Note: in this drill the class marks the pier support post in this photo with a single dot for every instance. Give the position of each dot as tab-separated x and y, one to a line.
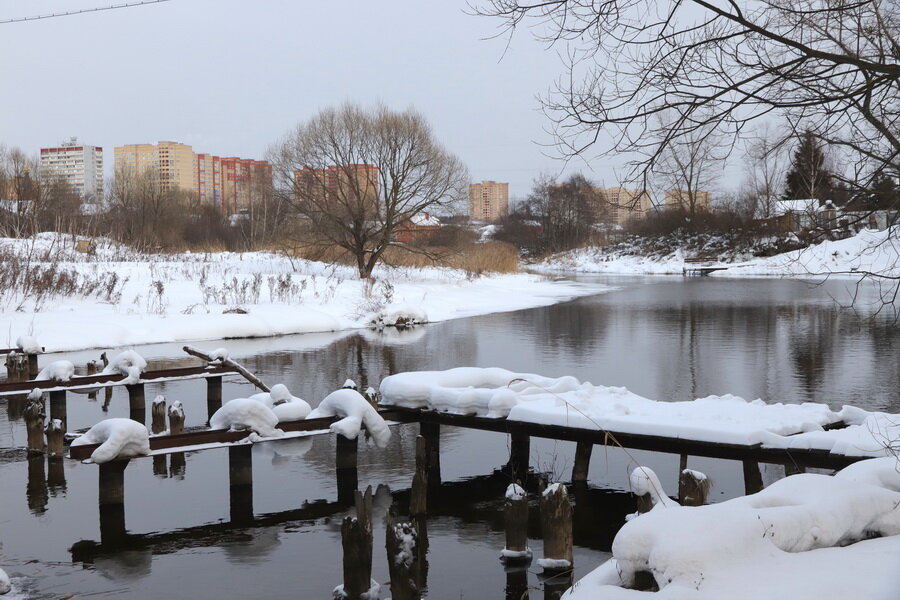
516	583
33	368
56	436
136	403
158	415
34	422
752	477
58	408
356	539
418	499
345	457
582	462
432	434
402	557
111	498
519	452
176	418
556	529
693	488
56	474
240	480
213	395
515	516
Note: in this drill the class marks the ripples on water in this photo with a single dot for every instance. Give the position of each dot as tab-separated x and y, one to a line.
664	338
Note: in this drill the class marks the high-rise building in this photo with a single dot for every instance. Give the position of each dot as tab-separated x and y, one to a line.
340	185
488	201
79	165
691	201
230	183
623	204
173	163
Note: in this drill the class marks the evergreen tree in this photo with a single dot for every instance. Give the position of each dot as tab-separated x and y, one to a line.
883	195
808	177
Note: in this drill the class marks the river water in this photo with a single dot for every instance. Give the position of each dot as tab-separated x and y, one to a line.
667	338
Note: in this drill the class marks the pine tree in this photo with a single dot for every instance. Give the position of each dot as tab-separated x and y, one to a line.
808	176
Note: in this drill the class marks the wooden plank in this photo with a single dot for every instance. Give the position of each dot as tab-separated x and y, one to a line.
655	443
223	436
100	380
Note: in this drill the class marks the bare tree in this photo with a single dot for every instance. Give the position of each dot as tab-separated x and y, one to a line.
355	175
832	67
765	171
689	167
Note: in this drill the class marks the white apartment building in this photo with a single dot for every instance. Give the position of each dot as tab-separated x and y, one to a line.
79	165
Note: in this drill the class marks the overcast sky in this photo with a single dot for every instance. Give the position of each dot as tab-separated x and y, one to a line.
230	77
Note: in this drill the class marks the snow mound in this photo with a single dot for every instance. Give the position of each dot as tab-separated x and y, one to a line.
60	370
219	355
118	438
128	363
286	406
644	481
5	586
356	412
804	537
398	316
245	413
514	492
29	345
567	402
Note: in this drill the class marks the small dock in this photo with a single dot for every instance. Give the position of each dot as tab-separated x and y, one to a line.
699	266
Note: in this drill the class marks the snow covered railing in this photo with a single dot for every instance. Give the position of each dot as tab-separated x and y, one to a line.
197	439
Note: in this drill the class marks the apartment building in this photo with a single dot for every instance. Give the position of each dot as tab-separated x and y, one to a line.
689	200
623	204
79	165
230	182
340	185
488	201
174	163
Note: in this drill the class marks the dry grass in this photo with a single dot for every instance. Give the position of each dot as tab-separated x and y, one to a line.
492	257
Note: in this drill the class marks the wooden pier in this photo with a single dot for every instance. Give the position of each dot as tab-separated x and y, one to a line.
701	266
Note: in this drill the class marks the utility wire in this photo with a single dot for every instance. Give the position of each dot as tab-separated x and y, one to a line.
83	10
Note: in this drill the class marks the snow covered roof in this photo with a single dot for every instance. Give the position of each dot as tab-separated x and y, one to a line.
804	205
425	220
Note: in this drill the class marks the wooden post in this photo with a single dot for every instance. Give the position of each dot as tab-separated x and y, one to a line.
752	477
176	418
112	482
158	415
693	488
36	489
519	452
401	540
345	457
421	552
34	421
92	369
556	529
136	403
33	368
582	462
682	465
213	395
240	479
356	539
177	465
793	469
418	499
56	435
371	396
515	513
432	434
58	408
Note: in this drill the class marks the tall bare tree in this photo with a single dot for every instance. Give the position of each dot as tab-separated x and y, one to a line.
355	175
689	168
832	67
765	170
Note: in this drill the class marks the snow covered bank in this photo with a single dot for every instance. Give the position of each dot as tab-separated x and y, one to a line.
565	401
868	251
804	537
119	298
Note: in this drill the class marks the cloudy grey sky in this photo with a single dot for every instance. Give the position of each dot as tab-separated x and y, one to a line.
231	76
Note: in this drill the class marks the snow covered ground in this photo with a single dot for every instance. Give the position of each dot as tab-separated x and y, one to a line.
805	537
117	297
868	251
565	401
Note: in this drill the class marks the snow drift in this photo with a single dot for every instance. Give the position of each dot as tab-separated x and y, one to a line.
244	413
118	438
356	413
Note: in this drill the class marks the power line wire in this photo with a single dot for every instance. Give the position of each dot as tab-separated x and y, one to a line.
80	11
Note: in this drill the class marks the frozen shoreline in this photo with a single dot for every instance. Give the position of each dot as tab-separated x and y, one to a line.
193	297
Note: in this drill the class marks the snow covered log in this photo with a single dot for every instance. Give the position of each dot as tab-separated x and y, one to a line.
356	412
60	370
804	537
128	363
244	413
118	438
285	405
